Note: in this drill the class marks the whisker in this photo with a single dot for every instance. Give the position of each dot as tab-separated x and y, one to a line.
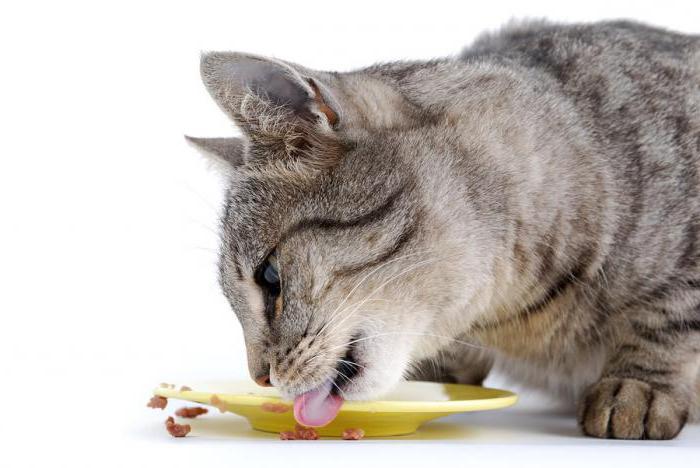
344	319
350	363
466	343
216	211
339	389
333	314
417	252
412	267
458	244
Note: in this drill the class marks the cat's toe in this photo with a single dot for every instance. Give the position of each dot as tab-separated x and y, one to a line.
616	408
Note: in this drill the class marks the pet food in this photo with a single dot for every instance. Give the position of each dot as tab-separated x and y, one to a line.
353	434
275	407
157	402
305	433
191	412
300	433
216	401
167	385
185	388
177	430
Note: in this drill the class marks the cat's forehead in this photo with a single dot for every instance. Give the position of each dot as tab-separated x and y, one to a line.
257	208
262	206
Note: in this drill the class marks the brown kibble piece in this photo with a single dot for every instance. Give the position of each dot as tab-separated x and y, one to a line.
217	402
167	385
157	402
275	407
300	433
185	388
177	430
305	433
353	434
191	412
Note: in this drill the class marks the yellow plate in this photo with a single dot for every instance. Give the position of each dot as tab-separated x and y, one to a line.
400	412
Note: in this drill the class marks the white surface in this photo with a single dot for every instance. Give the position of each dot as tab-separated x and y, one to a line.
108	219
525	435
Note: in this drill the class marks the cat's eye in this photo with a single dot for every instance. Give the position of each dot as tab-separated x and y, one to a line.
270	274
267	275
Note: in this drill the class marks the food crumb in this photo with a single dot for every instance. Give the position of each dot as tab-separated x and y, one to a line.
300	433
305	433
157	402
177	430
216	401
274	407
185	388
167	385
353	434
191	411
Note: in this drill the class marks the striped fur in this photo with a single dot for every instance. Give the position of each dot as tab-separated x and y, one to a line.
533	203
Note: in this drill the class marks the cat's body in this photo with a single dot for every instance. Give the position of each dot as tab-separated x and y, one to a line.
537	197
634	97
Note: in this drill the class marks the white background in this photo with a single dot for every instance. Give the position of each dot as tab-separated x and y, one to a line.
108	228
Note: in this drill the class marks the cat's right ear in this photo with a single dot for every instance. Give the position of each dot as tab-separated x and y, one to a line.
286	111
226	154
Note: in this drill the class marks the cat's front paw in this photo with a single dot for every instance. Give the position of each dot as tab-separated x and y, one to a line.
616	408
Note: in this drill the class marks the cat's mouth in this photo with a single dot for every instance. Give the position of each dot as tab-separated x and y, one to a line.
320	406
347	369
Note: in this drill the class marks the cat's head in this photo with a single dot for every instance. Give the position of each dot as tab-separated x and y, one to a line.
334	256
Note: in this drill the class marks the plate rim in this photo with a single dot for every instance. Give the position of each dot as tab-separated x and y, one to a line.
500	399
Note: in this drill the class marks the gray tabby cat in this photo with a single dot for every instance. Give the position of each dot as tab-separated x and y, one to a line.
532	203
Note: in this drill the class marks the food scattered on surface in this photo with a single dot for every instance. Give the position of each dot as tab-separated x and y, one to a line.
191	412
185	388
300	433
288	435
353	434
167	385
157	402
219	403
305	433
275	407
177	430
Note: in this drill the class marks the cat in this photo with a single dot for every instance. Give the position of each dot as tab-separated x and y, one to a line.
532	203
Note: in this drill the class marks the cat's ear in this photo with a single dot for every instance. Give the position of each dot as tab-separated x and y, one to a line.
280	106
225	153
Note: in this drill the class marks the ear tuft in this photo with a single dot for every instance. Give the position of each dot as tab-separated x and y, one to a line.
287	112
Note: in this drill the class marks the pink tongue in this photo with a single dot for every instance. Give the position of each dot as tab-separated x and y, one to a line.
317	407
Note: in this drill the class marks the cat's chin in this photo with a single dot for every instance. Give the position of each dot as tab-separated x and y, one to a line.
374	382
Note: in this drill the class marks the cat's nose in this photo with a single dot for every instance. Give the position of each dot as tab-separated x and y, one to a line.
263	380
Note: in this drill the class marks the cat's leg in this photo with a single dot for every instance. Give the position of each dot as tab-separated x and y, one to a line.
649	384
695	406
466	367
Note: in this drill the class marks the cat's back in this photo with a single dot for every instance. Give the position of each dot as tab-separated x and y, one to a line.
566	51
635	89
612	70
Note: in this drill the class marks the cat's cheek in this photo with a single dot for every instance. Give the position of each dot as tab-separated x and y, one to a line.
253	297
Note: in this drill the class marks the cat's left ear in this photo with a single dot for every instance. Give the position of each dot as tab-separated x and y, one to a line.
280	106
226	154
